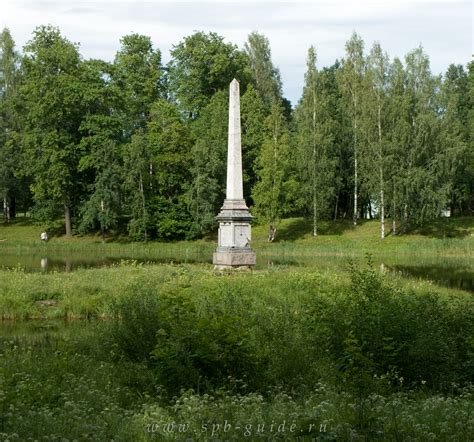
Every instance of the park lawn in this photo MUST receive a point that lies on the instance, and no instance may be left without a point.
(450, 237)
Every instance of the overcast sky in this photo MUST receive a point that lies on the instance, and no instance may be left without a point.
(444, 28)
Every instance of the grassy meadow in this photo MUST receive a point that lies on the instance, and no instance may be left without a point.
(316, 343)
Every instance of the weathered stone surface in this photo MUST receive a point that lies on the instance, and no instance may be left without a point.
(234, 189)
(233, 249)
(229, 259)
(234, 234)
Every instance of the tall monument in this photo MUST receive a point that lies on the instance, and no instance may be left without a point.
(233, 247)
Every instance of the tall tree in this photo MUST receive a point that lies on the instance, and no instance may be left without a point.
(455, 121)
(399, 129)
(9, 154)
(101, 131)
(270, 194)
(137, 158)
(429, 160)
(470, 147)
(314, 128)
(201, 65)
(341, 148)
(207, 190)
(352, 81)
(264, 75)
(169, 142)
(375, 122)
(253, 115)
(52, 95)
(136, 80)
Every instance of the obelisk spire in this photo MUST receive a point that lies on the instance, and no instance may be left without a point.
(234, 190)
(233, 241)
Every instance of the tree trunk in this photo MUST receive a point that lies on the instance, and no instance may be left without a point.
(394, 208)
(382, 215)
(355, 179)
(405, 218)
(335, 209)
(6, 209)
(67, 219)
(271, 232)
(354, 98)
(382, 203)
(315, 217)
(144, 217)
(315, 208)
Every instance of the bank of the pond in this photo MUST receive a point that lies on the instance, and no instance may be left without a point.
(441, 252)
(442, 237)
(89, 293)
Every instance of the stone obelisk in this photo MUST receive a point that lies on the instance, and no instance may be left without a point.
(233, 247)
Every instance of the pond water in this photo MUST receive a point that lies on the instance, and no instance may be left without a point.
(454, 273)
(459, 277)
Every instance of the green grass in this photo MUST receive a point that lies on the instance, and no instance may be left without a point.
(449, 237)
(88, 293)
(120, 352)
(446, 237)
(307, 347)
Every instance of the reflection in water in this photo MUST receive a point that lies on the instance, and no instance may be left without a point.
(44, 264)
(454, 277)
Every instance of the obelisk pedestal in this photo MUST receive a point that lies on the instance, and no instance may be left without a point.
(233, 246)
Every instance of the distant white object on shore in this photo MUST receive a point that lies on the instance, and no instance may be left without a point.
(44, 236)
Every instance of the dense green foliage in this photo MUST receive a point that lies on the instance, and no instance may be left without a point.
(136, 147)
(364, 356)
(198, 334)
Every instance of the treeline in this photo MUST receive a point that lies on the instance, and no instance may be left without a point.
(137, 146)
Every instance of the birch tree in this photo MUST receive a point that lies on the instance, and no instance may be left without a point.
(375, 110)
(314, 129)
(270, 193)
(398, 137)
(351, 79)
(9, 146)
(264, 75)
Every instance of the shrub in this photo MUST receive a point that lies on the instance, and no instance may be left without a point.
(379, 330)
(204, 350)
(188, 347)
(136, 318)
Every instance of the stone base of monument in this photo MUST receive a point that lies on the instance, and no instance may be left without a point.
(233, 250)
(234, 258)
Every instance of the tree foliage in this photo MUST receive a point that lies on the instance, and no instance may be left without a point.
(315, 130)
(272, 193)
(134, 146)
(201, 65)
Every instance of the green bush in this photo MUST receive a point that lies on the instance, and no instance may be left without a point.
(188, 347)
(204, 350)
(137, 315)
(379, 330)
(370, 336)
